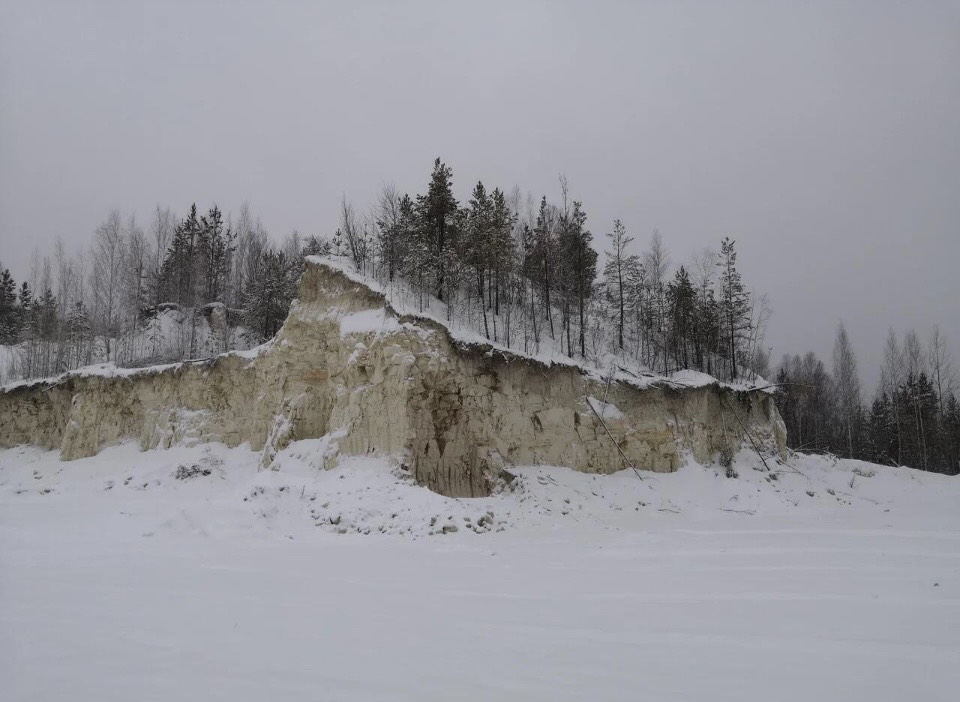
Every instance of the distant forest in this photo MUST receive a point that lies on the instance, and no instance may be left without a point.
(520, 272)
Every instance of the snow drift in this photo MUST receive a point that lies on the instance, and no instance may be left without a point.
(348, 363)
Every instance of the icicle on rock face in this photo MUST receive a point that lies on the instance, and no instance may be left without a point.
(456, 413)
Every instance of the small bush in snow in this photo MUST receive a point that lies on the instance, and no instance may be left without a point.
(187, 472)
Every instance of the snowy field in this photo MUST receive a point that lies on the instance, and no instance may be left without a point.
(120, 580)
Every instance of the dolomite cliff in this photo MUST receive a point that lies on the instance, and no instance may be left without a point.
(346, 361)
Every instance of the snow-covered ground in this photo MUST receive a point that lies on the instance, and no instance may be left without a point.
(187, 574)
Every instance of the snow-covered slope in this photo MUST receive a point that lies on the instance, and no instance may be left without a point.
(189, 574)
(601, 363)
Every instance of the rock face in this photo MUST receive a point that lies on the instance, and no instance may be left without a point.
(345, 361)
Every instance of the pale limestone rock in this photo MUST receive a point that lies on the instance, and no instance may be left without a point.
(456, 414)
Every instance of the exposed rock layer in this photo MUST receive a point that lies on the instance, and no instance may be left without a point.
(345, 361)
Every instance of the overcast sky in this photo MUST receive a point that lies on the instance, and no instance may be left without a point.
(823, 137)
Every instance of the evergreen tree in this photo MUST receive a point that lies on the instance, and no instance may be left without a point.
(315, 246)
(807, 402)
(502, 246)
(269, 293)
(47, 320)
(734, 302)
(881, 433)
(8, 309)
(477, 244)
(24, 311)
(638, 304)
(617, 273)
(583, 259)
(951, 435)
(438, 213)
(541, 258)
(178, 274)
(706, 335)
(918, 398)
(215, 245)
(681, 302)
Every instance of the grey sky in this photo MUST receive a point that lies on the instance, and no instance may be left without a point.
(823, 137)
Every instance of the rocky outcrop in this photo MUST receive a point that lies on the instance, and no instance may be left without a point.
(346, 361)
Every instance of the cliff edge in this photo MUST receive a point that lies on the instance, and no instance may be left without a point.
(348, 363)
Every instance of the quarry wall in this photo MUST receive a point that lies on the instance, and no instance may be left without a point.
(346, 361)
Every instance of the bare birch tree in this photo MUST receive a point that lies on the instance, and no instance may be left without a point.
(846, 385)
(107, 277)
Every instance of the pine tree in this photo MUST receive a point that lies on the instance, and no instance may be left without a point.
(617, 273)
(437, 212)
(734, 302)
(178, 273)
(542, 254)
(502, 246)
(47, 316)
(582, 261)
(707, 329)
(24, 311)
(951, 435)
(316, 246)
(880, 432)
(215, 245)
(681, 303)
(269, 292)
(807, 404)
(476, 245)
(181, 258)
(8, 308)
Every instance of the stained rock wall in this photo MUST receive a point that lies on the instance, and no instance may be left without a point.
(460, 415)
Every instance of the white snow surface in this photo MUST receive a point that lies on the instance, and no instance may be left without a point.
(695, 379)
(606, 410)
(368, 321)
(838, 580)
